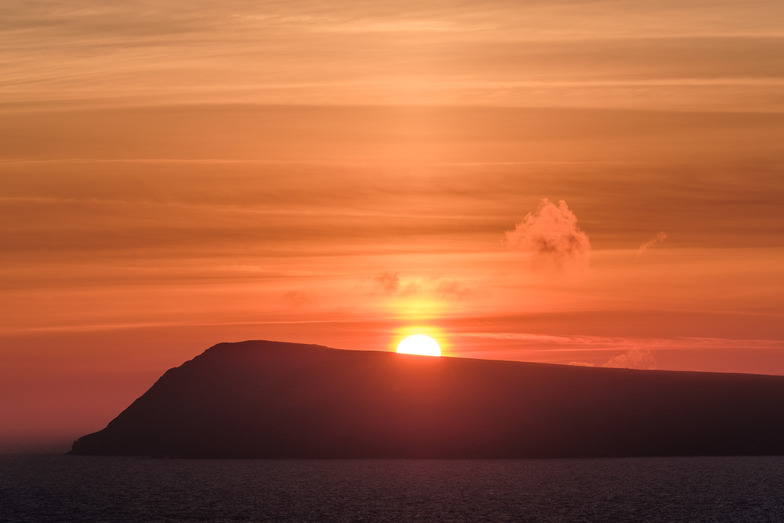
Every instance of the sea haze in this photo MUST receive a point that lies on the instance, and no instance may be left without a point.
(59, 488)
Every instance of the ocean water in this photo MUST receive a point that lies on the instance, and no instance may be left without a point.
(71, 488)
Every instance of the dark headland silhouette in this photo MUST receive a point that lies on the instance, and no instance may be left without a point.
(267, 399)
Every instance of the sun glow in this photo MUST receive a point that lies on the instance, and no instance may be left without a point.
(419, 344)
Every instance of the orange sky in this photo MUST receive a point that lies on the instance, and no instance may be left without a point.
(174, 176)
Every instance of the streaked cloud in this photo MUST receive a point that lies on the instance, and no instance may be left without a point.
(618, 351)
(711, 55)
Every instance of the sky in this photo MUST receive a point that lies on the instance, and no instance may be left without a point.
(581, 182)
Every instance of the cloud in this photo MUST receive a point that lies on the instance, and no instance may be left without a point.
(410, 289)
(388, 282)
(452, 290)
(392, 284)
(296, 299)
(581, 364)
(635, 358)
(550, 234)
(660, 237)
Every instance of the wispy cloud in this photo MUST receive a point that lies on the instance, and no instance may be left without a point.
(624, 345)
(497, 53)
(297, 299)
(660, 237)
(449, 289)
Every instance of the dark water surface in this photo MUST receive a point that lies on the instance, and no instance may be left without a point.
(71, 488)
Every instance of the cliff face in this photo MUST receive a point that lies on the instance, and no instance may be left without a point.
(283, 400)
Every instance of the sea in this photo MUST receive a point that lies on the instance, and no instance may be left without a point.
(77, 488)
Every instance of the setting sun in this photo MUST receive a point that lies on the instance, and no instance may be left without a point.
(419, 344)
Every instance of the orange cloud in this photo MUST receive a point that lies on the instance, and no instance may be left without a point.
(388, 281)
(452, 290)
(550, 234)
(660, 237)
(635, 358)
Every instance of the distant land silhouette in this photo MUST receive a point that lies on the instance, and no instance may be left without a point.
(263, 399)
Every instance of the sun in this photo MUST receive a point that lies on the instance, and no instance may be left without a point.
(419, 344)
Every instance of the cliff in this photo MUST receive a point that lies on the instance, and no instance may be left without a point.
(282, 400)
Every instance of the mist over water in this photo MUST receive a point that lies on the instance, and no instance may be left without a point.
(58, 488)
